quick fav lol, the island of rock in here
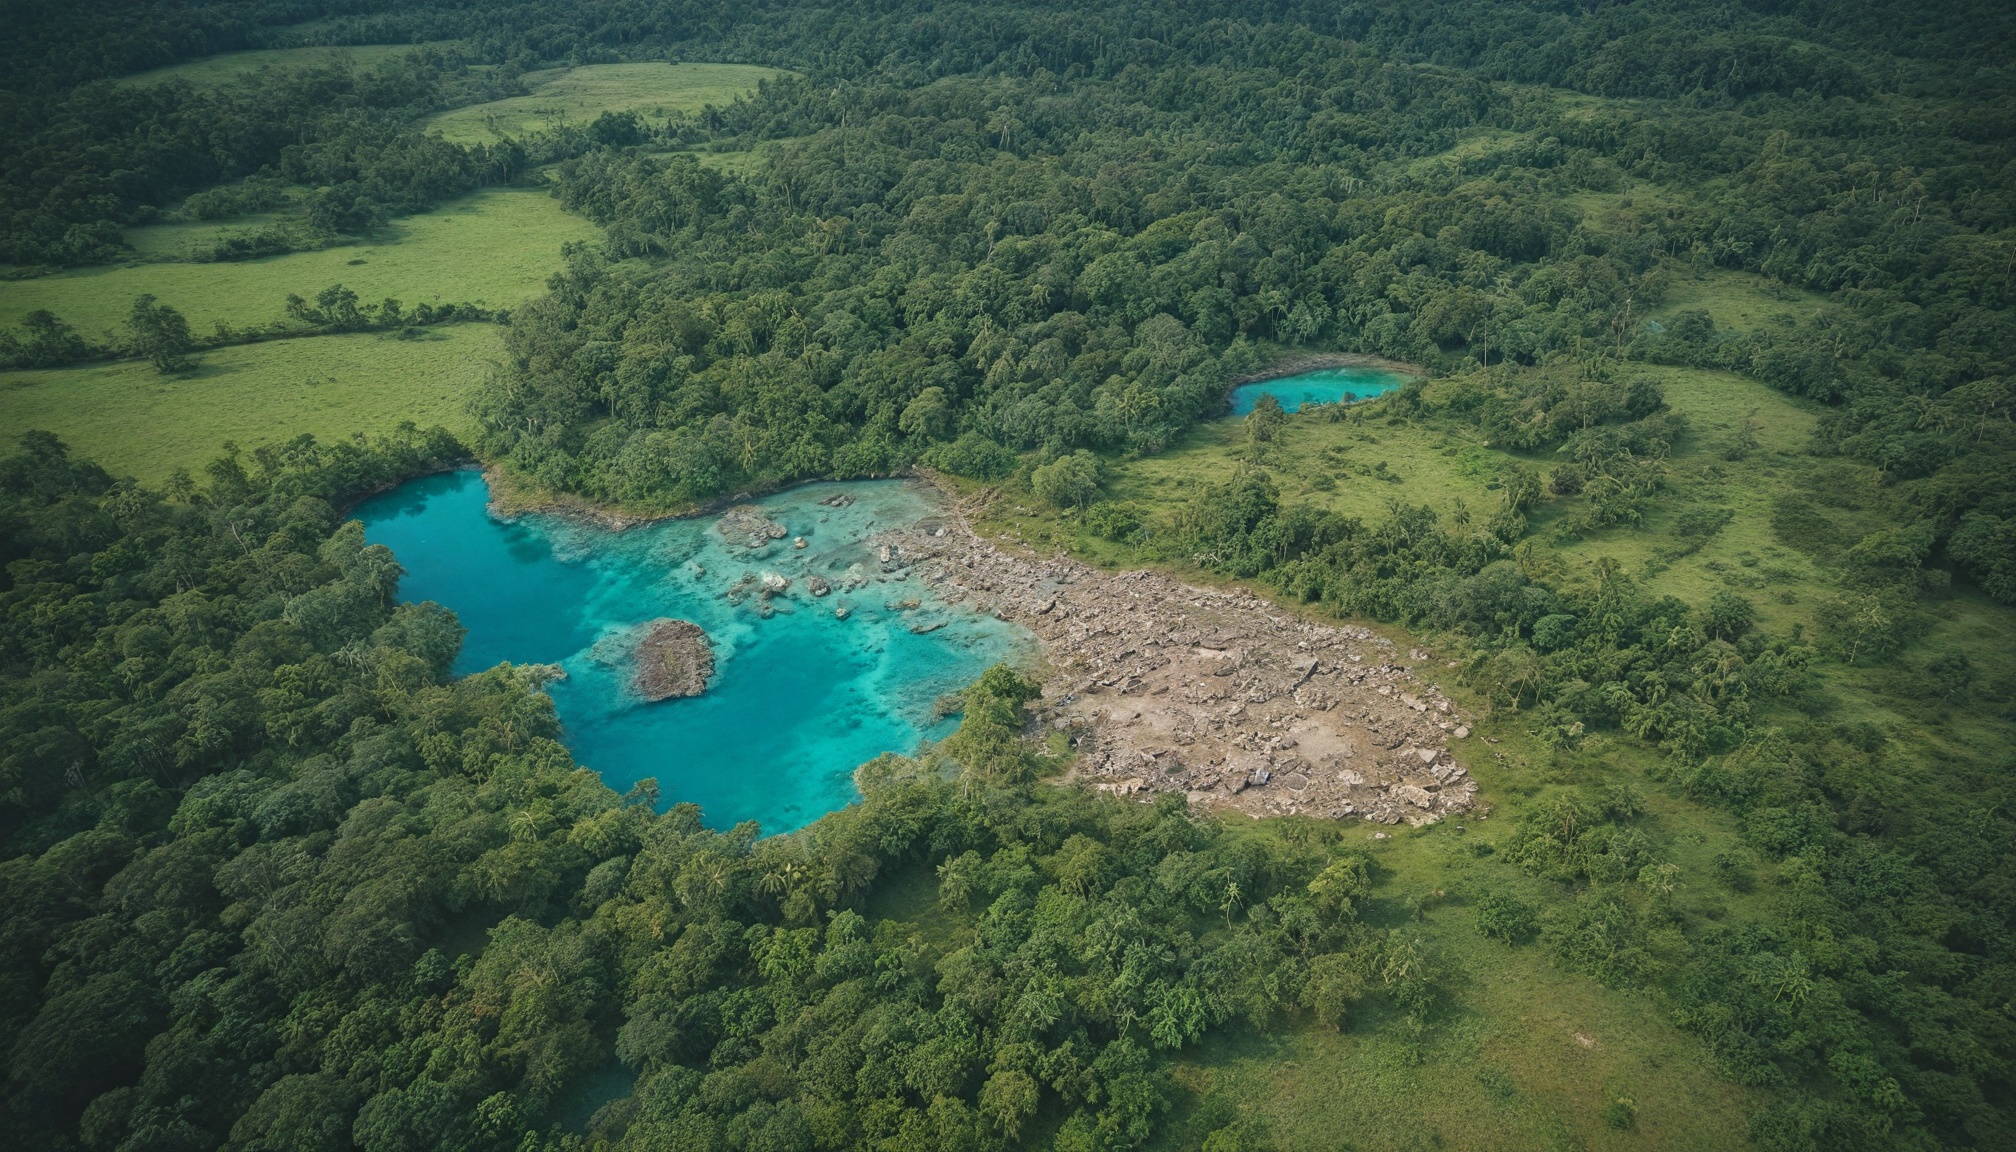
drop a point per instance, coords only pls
(674, 658)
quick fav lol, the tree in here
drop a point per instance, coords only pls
(161, 335)
(1068, 481)
(928, 417)
(1263, 424)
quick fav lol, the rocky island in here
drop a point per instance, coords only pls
(674, 658)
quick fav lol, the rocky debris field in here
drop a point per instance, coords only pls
(674, 658)
(1169, 688)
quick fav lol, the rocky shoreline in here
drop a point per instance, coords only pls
(675, 658)
(1165, 687)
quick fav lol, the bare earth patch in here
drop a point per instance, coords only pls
(1171, 688)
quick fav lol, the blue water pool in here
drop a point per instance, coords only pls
(797, 700)
(1322, 386)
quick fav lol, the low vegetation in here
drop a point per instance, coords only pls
(654, 93)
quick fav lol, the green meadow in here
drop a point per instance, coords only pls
(577, 95)
(222, 69)
(496, 246)
(146, 425)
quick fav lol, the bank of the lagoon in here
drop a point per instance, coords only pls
(1329, 385)
(797, 699)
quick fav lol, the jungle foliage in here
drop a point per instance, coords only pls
(272, 878)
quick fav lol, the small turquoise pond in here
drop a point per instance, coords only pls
(797, 700)
(1322, 386)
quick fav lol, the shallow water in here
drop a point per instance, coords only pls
(1322, 386)
(797, 700)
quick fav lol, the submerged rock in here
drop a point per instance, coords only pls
(747, 524)
(674, 658)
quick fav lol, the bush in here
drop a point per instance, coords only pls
(1068, 481)
(973, 456)
(1506, 918)
(1114, 522)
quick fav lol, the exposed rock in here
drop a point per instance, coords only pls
(746, 524)
(818, 585)
(674, 658)
(1235, 703)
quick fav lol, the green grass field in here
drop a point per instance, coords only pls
(496, 246)
(215, 70)
(186, 241)
(137, 422)
(577, 95)
(1737, 300)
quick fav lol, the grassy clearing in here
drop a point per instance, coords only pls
(191, 240)
(1739, 300)
(1357, 467)
(575, 95)
(212, 71)
(496, 246)
(139, 423)
(742, 163)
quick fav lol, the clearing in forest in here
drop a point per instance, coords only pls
(562, 96)
(143, 424)
(496, 246)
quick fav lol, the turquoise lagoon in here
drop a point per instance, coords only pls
(797, 700)
(1322, 386)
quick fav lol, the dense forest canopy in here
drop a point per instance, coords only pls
(272, 878)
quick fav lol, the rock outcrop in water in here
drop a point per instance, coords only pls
(746, 524)
(674, 658)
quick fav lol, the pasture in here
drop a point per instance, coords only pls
(496, 246)
(137, 422)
